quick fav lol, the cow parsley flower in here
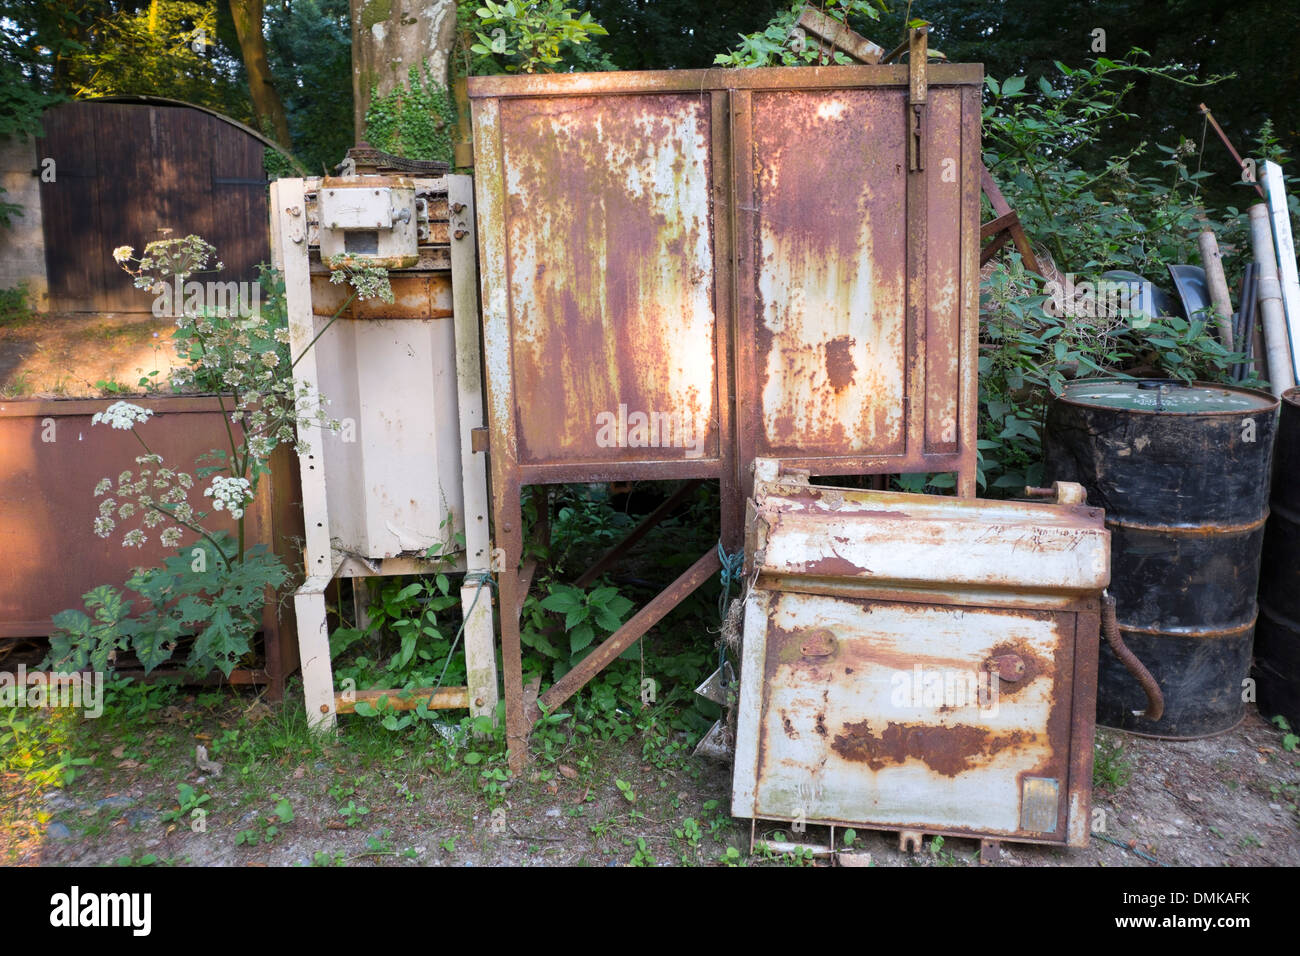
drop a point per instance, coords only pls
(122, 415)
(229, 493)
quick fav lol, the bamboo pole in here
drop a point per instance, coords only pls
(1276, 341)
(1218, 284)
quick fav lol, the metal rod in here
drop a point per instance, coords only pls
(629, 633)
(1226, 142)
(637, 533)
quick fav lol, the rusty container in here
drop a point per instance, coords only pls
(1182, 471)
(918, 662)
(1277, 634)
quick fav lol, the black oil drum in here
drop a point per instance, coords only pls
(1277, 635)
(1183, 474)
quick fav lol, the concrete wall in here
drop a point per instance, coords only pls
(22, 246)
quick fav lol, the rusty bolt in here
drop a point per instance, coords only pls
(458, 207)
(478, 701)
(460, 234)
(324, 708)
(506, 528)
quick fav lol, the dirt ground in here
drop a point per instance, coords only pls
(379, 798)
(79, 355)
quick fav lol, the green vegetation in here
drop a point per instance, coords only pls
(415, 120)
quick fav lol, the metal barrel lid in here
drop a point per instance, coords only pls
(1166, 396)
(1292, 396)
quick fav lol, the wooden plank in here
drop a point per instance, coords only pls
(435, 698)
(314, 646)
(840, 36)
(287, 196)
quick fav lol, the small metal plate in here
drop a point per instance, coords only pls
(1039, 799)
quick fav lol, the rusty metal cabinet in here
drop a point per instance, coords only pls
(919, 663)
(734, 263)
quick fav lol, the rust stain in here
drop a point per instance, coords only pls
(1034, 666)
(839, 362)
(611, 283)
(945, 750)
(831, 335)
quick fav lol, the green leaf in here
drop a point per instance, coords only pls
(580, 637)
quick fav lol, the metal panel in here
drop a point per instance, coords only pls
(608, 226)
(741, 254)
(885, 712)
(830, 337)
(46, 525)
(885, 684)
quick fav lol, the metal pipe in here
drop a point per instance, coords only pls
(1218, 284)
(1110, 630)
(1276, 341)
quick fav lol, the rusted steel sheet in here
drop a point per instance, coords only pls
(621, 198)
(684, 270)
(925, 693)
(611, 278)
(423, 296)
(1003, 546)
(53, 457)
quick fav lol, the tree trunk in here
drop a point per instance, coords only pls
(267, 105)
(391, 36)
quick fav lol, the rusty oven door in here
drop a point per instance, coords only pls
(920, 663)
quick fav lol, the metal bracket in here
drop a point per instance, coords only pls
(918, 54)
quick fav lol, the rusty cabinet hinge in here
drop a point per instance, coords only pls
(918, 54)
(478, 439)
(463, 155)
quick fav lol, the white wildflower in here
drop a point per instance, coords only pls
(134, 538)
(122, 254)
(171, 537)
(122, 415)
(232, 493)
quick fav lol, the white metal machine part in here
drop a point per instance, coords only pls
(397, 487)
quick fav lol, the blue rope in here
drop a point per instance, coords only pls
(733, 567)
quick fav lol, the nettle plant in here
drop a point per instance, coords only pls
(213, 591)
